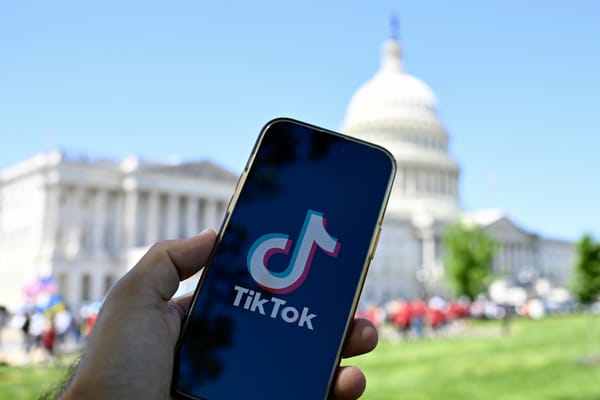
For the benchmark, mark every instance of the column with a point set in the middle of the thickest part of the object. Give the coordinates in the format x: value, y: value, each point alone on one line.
x: 512, y: 258
x: 152, y: 217
x: 118, y: 225
x: 191, y: 216
x: 74, y: 296
x: 454, y: 184
x: 99, y: 283
x: 400, y: 179
x: 410, y: 181
x: 172, y: 216
x: 210, y: 214
x: 129, y: 217
x: 500, y: 257
x: 99, y: 221
x: 428, y: 257
x: 50, y: 221
x: 73, y: 242
x: 445, y: 179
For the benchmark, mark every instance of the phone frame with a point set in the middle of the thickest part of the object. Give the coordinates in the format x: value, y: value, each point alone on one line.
x: 225, y: 222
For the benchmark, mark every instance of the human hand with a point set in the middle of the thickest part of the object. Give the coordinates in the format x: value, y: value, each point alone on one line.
x: 130, y: 351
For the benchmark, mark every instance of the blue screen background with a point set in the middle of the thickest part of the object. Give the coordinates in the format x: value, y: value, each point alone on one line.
x: 228, y: 352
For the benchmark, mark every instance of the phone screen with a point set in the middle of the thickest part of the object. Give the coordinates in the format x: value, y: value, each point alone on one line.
x: 276, y: 299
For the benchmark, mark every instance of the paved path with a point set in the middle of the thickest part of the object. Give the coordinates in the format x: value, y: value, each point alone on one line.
x: 12, y: 349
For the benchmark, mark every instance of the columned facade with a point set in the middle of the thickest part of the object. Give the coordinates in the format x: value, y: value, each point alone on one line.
x: 92, y: 219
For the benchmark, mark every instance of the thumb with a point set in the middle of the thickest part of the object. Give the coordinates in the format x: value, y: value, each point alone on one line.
x: 169, y: 262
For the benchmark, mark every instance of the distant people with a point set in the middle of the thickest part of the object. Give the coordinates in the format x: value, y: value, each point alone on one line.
x: 506, y: 312
x: 48, y: 337
x: 477, y: 309
x: 400, y: 318
x: 63, y: 321
x: 435, y: 313
x: 373, y: 313
x: 29, y: 341
x: 36, y: 323
x: 4, y: 316
x: 418, y: 309
x: 90, y: 321
x: 435, y: 319
x: 25, y: 330
x: 457, y: 309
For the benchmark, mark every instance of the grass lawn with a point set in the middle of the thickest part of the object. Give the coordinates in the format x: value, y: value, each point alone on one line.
x: 538, y: 360
x: 28, y: 383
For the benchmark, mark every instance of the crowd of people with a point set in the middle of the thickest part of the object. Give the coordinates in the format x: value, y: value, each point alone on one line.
x: 57, y: 331
x: 46, y: 334
x: 418, y: 318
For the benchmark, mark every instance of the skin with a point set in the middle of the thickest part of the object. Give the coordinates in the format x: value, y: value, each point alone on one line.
x: 129, y: 354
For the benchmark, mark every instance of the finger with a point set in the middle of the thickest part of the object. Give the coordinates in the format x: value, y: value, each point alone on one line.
x: 189, y: 255
x: 183, y: 302
x: 350, y: 383
x: 363, y: 338
x: 171, y: 261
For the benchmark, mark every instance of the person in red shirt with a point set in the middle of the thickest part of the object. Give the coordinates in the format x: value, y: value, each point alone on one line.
x: 49, y: 337
x: 418, y: 309
x: 401, y: 318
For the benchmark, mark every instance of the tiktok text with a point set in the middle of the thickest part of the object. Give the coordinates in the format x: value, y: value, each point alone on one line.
x: 254, y: 302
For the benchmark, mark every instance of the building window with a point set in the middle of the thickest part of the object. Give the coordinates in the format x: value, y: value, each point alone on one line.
x: 63, y: 284
x: 86, y: 286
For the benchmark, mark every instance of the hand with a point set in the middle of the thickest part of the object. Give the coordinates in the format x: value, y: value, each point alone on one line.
x: 130, y: 350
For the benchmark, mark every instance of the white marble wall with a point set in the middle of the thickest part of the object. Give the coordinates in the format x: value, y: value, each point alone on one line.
x: 87, y: 224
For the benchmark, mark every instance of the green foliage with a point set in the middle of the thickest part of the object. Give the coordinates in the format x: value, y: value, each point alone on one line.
x: 586, y: 284
x: 468, y: 258
x: 28, y: 382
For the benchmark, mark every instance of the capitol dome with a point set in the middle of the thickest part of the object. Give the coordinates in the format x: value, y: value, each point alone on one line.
x: 392, y: 96
x: 398, y: 111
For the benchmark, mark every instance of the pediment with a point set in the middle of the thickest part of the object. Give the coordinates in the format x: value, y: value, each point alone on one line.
x: 505, y: 230
x: 205, y: 169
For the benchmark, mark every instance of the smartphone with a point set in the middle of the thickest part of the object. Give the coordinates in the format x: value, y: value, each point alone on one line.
x: 275, y: 302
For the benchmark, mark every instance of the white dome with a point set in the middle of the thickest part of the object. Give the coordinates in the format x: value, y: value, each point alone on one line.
x: 398, y: 111
x: 392, y: 96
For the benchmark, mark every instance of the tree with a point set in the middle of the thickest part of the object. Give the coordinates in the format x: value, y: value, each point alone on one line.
x: 586, y: 284
x: 468, y: 258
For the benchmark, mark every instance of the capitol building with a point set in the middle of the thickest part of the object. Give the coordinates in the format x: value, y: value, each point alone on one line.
x: 399, y: 111
x: 86, y: 221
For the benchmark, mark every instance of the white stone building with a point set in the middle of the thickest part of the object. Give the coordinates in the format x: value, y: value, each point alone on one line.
x: 86, y: 221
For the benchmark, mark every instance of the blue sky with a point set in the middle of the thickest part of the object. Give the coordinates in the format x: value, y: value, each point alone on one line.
x: 517, y: 85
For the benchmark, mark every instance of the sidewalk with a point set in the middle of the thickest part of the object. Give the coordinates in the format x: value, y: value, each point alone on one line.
x: 12, y: 349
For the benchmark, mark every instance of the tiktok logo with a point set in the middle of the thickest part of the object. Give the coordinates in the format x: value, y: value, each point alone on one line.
x: 312, y: 235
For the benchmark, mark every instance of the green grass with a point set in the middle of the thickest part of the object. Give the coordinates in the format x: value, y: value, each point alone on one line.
x: 538, y: 360
x: 30, y: 382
